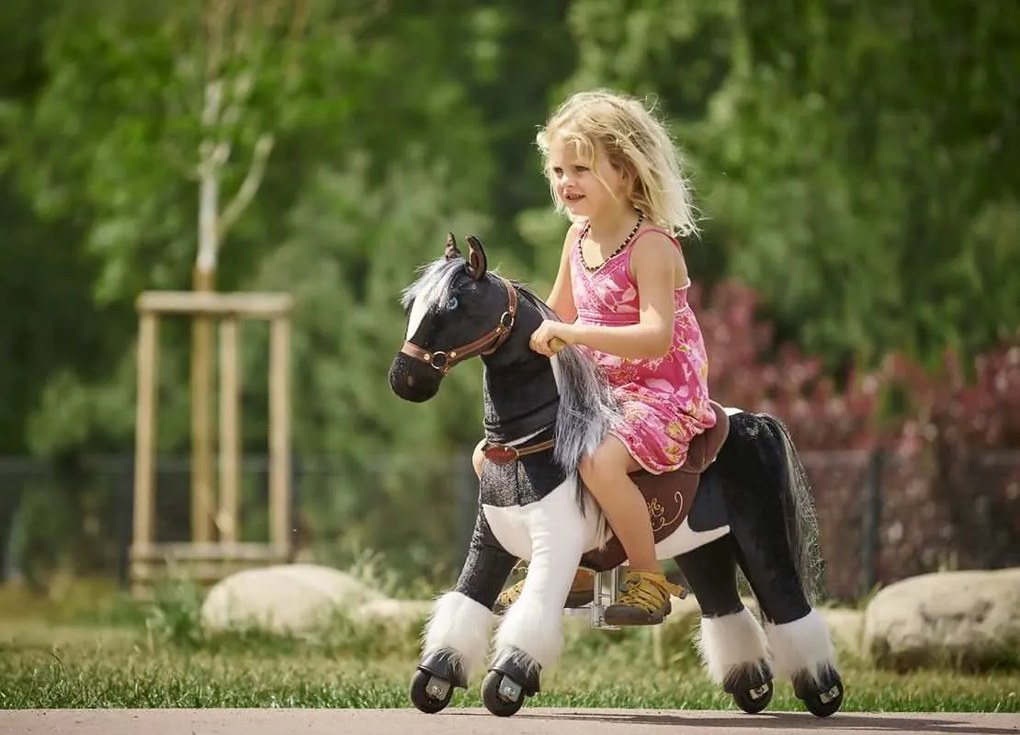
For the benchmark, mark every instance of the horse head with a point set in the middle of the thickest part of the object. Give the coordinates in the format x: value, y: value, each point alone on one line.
x: 456, y: 310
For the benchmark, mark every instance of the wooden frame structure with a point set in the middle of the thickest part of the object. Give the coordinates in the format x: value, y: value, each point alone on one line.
x: 203, y: 558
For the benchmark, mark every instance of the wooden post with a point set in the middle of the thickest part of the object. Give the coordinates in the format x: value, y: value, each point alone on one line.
x: 279, y: 433
x: 230, y: 433
x: 202, y: 506
x: 145, y: 432
x: 206, y: 558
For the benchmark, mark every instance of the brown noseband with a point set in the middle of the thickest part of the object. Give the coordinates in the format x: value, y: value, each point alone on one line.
x: 443, y: 361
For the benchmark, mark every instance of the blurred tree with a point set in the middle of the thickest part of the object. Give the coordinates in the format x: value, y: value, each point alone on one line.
x: 385, y: 84
x: 247, y: 48
x: 675, y: 55
x: 517, y: 54
x: 44, y: 277
x: 354, y: 248
x: 361, y: 83
x: 867, y: 153
x: 853, y: 160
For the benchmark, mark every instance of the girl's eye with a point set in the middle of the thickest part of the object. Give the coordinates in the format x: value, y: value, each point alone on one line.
x: 452, y: 303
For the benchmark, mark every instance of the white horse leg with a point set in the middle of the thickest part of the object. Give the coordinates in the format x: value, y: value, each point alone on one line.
x: 461, y: 626
x: 803, y: 648
x: 734, y: 646
x: 534, y: 623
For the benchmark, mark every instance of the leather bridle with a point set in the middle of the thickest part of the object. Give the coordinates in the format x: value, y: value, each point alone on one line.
x: 444, y: 360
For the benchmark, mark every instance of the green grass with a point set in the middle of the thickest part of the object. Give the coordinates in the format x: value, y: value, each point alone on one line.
x: 126, y: 656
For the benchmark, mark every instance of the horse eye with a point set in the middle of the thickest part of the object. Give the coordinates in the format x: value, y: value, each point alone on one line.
x: 452, y: 303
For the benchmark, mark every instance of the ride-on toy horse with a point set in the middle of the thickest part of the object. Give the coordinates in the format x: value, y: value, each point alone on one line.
x: 749, y: 508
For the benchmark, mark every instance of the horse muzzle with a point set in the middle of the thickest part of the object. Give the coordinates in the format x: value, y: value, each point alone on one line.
x: 413, y: 380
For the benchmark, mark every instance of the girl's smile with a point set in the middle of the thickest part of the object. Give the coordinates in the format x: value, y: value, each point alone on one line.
x: 584, y: 187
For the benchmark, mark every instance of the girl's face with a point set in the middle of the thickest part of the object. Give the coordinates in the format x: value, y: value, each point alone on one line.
x: 586, y: 192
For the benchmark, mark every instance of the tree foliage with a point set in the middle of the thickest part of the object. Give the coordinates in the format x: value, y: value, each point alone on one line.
x: 851, y: 157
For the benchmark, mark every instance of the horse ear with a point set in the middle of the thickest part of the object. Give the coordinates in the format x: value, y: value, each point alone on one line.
x: 477, y: 262
x: 452, y: 251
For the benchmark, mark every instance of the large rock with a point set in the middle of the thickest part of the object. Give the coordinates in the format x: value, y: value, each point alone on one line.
x: 957, y: 618
x: 399, y: 616
x: 287, y: 598
x: 846, y: 626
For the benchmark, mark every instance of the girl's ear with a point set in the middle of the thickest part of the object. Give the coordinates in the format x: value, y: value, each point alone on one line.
x: 626, y: 169
x: 625, y: 172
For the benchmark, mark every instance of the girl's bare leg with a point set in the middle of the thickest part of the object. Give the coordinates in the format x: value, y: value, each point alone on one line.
x: 606, y: 475
x: 645, y: 595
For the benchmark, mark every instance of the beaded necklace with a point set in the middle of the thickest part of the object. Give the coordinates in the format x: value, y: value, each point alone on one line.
x: 624, y: 244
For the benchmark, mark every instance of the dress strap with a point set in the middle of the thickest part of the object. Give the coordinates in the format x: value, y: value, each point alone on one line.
x: 672, y: 239
x: 661, y: 231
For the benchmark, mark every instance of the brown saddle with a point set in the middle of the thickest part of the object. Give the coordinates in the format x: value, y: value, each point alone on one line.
x: 669, y: 496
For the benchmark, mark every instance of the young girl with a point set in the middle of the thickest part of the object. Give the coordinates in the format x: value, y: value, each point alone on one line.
x: 621, y: 292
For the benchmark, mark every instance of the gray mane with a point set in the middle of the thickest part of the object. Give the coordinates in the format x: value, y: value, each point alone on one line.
x: 587, y: 409
x: 435, y: 282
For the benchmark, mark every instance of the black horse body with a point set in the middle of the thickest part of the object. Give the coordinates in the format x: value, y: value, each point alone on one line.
x: 751, y: 511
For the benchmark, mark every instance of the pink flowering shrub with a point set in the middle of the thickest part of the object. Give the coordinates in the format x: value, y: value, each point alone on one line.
x: 949, y: 483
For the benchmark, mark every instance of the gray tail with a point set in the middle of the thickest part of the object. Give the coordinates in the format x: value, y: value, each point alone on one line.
x: 801, y: 521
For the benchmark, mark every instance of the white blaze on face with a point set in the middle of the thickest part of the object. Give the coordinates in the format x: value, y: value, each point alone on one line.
x: 418, y: 311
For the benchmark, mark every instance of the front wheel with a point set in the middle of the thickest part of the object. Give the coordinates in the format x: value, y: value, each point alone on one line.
x: 429, y: 693
x: 755, y: 700
x: 828, y: 702
x: 501, y: 695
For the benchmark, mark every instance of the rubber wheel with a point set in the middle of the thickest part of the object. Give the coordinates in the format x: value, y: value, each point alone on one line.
x: 422, y: 699
x: 752, y: 705
x: 492, y: 699
x: 818, y: 708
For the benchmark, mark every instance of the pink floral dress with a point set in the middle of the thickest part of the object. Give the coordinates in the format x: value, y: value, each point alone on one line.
x: 664, y: 400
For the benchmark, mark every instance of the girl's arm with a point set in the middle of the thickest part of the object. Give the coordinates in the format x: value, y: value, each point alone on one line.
x: 561, y: 298
x: 653, y: 263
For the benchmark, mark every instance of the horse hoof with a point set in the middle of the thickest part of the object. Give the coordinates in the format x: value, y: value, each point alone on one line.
x: 756, y: 699
x: 429, y: 693
x: 501, y: 695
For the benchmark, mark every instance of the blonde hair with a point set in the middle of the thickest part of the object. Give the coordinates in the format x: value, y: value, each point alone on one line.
x: 601, y: 122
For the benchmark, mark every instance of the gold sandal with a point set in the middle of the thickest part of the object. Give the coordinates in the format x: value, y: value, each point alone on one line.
x: 644, y: 600
x: 582, y: 591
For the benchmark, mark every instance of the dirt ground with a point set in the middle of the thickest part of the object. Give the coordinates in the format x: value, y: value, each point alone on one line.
x: 528, y: 721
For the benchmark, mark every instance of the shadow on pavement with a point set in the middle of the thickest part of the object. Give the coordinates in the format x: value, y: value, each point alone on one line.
x: 782, y: 721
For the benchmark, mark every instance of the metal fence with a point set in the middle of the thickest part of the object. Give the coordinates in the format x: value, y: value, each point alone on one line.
x: 884, y: 517
x: 881, y: 517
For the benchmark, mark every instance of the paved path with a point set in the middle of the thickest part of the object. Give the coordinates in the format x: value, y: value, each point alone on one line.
x: 529, y: 721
